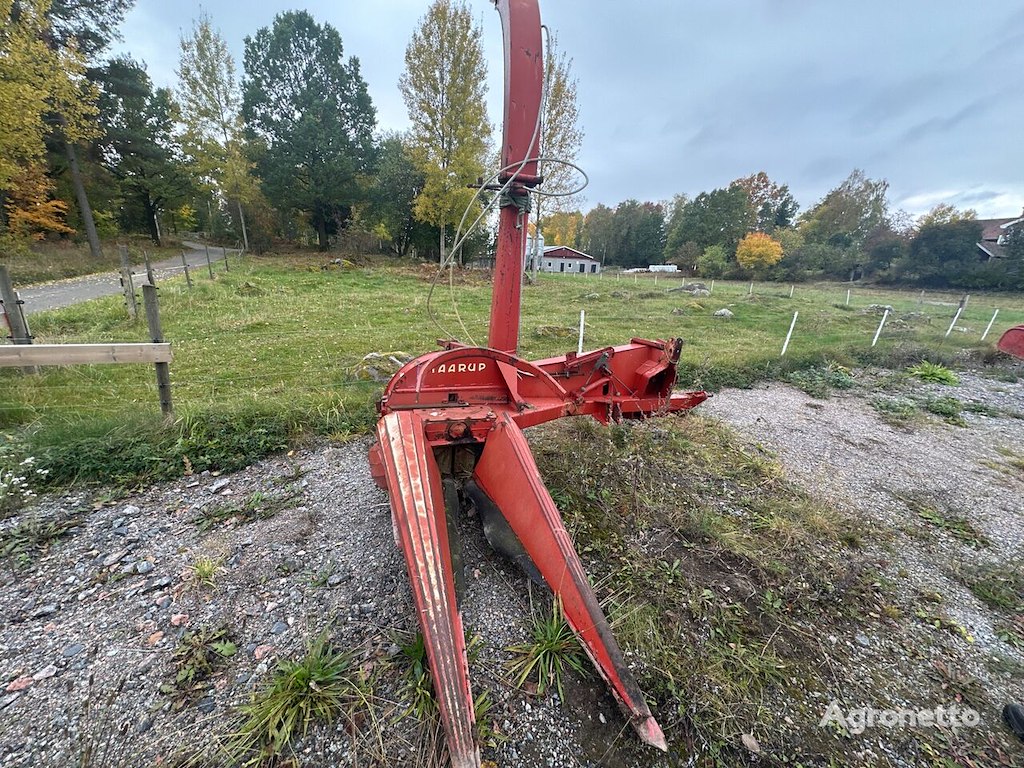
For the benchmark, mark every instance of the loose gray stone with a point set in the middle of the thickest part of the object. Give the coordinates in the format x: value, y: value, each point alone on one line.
x: 144, y: 725
x: 207, y: 705
x: 73, y: 650
x: 143, y: 566
x: 723, y: 312
x: 157, y: 583
x: 279, y: 627
x: 46, y: 610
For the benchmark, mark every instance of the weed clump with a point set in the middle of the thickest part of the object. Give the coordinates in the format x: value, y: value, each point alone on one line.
x: 316, y: 688
x: 819, y: 382
x: 197, y: 656
x: 933, y: 372
x: 552, y: 650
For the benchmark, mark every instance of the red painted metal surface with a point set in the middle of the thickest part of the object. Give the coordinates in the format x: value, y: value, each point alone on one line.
x: 508, y: 475
x: 1012, y: 342
x: 524, y: 84
x: 469, y: 405
x: 417, y: 502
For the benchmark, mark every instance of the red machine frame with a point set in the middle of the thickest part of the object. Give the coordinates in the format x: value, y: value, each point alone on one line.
x: 457, y: 415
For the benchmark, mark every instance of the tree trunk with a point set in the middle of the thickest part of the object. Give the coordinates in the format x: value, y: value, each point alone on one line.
x: 84, y: 209
x: 245, y: 233
x: 321, y: 233
x: 154, y: 229
x: 441, y: 261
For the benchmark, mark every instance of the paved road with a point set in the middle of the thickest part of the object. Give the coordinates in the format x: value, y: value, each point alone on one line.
x: 75, y: 290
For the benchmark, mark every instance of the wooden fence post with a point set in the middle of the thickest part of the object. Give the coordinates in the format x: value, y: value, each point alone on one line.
x: 225, y: 251
x: 127, y: 285
x: 149, y: 268
x: 12, y: 308
x: 163, y: 371
x: 209, y: 264
x: 184, y: 263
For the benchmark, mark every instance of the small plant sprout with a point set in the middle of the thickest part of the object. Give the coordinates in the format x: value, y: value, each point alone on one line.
x: 204, y: 571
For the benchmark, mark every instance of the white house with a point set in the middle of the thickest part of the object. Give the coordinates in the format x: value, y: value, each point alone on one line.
x: 562, y: 259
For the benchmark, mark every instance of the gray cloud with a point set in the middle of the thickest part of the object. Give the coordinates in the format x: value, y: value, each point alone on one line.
x: 686, y: 96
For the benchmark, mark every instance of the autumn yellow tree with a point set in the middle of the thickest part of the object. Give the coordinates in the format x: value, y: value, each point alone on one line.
x: 36, y: 83
x: 563, y: 228
x: 444, y: 87
x: 758, y: 250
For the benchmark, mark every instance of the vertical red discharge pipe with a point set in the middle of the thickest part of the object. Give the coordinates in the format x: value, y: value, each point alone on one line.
x: 524, y: 88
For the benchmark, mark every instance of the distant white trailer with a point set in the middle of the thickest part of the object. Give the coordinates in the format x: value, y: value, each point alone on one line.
x: 663, y: 268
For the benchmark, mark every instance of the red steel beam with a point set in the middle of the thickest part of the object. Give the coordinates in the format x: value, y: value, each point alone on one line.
x: 507, y: 473
x: 413, y: 481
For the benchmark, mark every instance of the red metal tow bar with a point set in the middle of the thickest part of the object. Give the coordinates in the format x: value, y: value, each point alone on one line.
x: 453, y: 420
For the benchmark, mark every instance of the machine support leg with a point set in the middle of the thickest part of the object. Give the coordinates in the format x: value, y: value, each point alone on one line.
x: 508, y: 475
x: 418, y: 511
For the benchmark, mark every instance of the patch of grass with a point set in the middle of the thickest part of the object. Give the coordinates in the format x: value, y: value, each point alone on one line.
x: 257, y: 506
x: 198, y: 655
x: 982, y: 409
x: 257, y: 369
x: 711, y: 596
x: 204, y: 570
x: 552, y: 650
x: 897, y: 411
x: 1012, y: 632
x: 819, y: 382
x: 948, y: 408
x: 21, y: 544
x: 999, y: 586
x: 323, y: 684
x: 957, y: 526
x: 419, y: 686
x: 934, y: 372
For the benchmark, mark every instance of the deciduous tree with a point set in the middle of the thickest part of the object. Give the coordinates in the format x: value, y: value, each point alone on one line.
x: 757, y: 251
x: 773, y: 206
x: 848, y: 213
x: 37, y: 80
x: 397, y: 183
x: 210, y: 109
x: 309, y: 113
x: 944, y: 213
x: 444, y: 85
x: 720, y: 217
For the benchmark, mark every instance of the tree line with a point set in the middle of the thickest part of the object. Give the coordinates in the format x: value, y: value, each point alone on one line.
x: 286, y: 149
x: 753, y: 228
x: 289, y: 149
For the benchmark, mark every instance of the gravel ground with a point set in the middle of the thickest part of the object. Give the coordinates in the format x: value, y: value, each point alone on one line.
x: 98, y: 616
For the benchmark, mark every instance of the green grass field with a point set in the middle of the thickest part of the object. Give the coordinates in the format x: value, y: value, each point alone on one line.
x: 268, y: 350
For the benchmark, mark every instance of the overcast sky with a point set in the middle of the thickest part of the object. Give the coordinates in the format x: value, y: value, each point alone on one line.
x: 687, y: 95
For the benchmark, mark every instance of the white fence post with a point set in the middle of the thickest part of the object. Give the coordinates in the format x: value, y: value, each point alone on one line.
x: 881, y: 325
x: 989, y: 326
x: 579, y: 347
x: 955, y: 318
x: 785, y: 344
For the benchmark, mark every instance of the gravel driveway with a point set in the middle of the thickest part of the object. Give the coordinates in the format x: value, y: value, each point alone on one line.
x: 98, y: 616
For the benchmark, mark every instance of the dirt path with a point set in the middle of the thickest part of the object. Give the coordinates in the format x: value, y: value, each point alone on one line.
x: 99, y: 615
x: 66, y: 293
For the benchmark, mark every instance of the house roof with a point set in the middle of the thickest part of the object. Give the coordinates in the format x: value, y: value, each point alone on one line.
x: 990, y: 247
x: 991, y: 229
x: 571, y: 253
